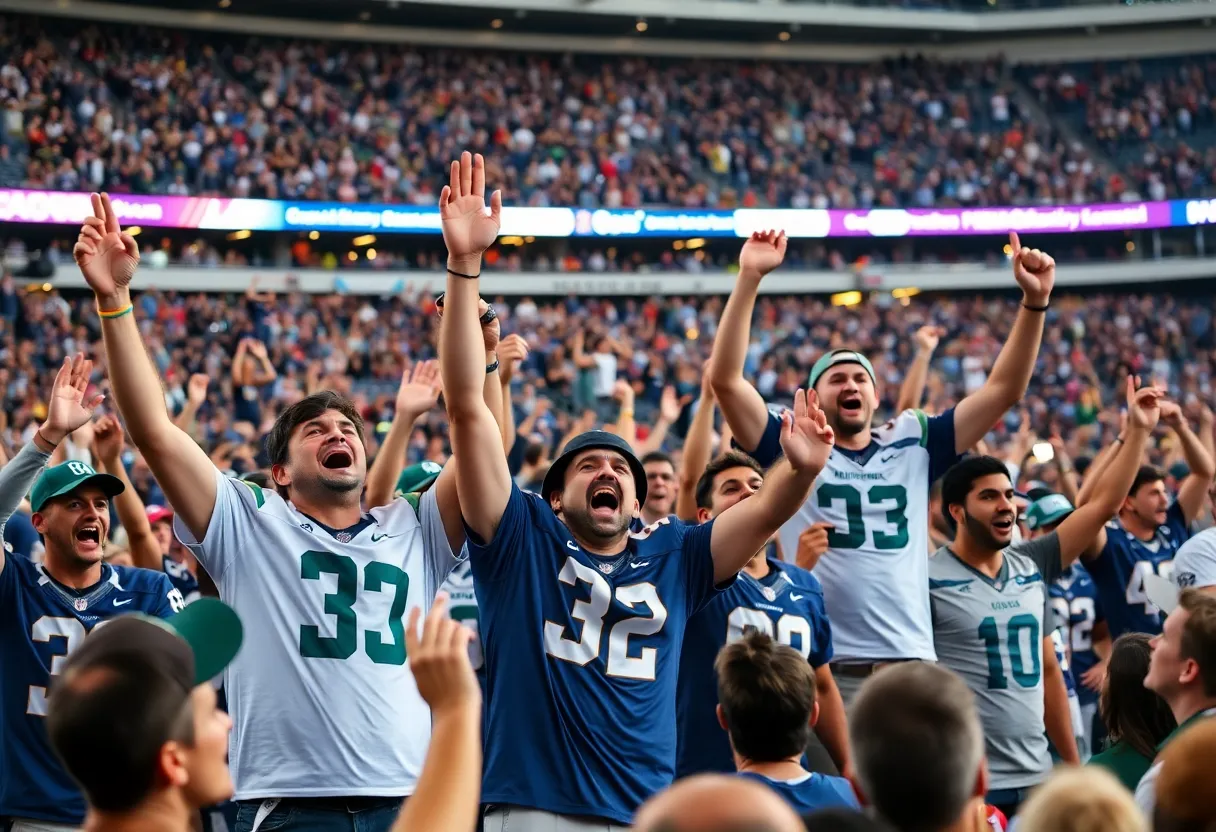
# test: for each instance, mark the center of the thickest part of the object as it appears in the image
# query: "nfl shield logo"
(81, 604)
(606, 568)
(769, 593)
(344, 537)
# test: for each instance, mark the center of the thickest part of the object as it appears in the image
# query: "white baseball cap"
(1194, 566)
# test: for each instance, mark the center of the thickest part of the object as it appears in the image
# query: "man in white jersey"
(329, 731)
(875, 490)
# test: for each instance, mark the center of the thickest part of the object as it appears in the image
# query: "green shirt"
(1125, 762)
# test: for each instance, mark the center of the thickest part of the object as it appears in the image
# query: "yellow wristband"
(115, 313)
(626, 412)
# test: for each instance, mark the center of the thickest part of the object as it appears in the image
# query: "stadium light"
(134, 230)
(783, 36)
(642, 26)
(846, 298)
(314, 235)
(371, 254)
(244, 234)
(363, 240)
(496, 23)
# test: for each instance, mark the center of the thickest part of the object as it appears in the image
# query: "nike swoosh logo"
(889, 457)
(639, 565)
(795, 597)
(118, 603)
(376, 538)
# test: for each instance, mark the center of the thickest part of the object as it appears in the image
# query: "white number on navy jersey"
(591, 613)
(176, 602)
(742, 619)
(1079, 637)
(1135, 593)
(46, 628)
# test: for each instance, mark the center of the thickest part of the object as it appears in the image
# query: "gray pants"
(519, 819)
(849, 684)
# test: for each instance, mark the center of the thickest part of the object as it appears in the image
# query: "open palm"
(763, 252)
(467, 229)
(419, 390)
(806, 438)
(106, 255)
(68, 408)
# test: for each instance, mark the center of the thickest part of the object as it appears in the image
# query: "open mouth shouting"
(604, 500)
(1003, 525)
(88, 537)
(337, 457)
(849, 406)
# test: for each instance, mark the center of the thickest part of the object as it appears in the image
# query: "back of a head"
(108, 724)
(1087, 799)
(918, 746)
(1185, 801)
(767, 693)
(838, 819)
(717, 803)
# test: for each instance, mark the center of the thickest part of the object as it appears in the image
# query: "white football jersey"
(463, 607)
(322, 700)
(875, 573)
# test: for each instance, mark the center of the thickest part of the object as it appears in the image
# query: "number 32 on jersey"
(591, 612)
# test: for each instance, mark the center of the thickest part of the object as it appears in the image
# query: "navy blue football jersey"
(1120, 568)
(182, 578)
(41, 622)
(1074, 600)
(787, 603)
(810, 793)
(582, 657)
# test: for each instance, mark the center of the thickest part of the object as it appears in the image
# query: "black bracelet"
(465, 276)
(1042, 308)
(490, 368)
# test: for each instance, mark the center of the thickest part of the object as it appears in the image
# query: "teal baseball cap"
(418, 477)
(66, 478)
(1047, 510)
(831, 359)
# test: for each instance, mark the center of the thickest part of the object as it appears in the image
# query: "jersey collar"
(81, 599)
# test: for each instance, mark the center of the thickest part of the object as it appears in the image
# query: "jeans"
(334, 814)
(1008, 801)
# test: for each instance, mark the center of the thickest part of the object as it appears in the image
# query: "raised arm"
(449, 787)
(511, 350)
(975, 415)
(670, 409)
(912, 391)
(239, 373)
(66, 410)
(741, 530)
(1065, 468)
(625, 427)
(417, 394)
(264, 372)
(1194, 489)
(108, 259)
(482, 475)
(742, 405)
(196, 394)
(107, 447)
(1084, 531)
(698, 449)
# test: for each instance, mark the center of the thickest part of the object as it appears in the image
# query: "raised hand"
(928, 337)
(467, 229)
(439, 659)
(511, 350)
(1171, 415)
(257, 348)
(106, 255)
(1143, 405)
(812, 543)
(1034, 271)
(806, 438)
(196, 388)
(762, 253)
(419, 390)
(67, 409)
(107, 439)
(670, 407)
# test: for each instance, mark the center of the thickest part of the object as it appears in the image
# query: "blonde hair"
(1081, 800)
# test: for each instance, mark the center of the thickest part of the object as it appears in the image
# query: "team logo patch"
(769, 593)
(80, 604)
(606, 568)
(306, 527)
(343, 537)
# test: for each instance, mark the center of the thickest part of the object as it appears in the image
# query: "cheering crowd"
(807, 617)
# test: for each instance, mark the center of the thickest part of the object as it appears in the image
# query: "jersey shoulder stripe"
(907, 428)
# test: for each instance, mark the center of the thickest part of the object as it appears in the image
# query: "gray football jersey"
(991, 633)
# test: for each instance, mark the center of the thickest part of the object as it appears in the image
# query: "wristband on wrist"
(40, 435)
(627, 411)
(462, 274)
(1030, 308)
(491, 368)
(110, 314)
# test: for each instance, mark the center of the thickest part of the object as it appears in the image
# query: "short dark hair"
(767, 692)
(533, 453)
(917, 745)
(1131, 712)
(840, 819)
(307, 409)
(658, 456)
(728, 460)
(1198, 640)
(958, 480)
(108, 746)
(1147, 475)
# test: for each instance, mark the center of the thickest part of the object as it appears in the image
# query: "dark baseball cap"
(555, 479)
(66, 478)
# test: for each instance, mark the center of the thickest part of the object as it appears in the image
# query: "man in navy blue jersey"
(47, 609)
(582, 621)
(770, 596)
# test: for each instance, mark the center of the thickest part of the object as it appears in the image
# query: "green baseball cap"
(1047, 510)
(63, 479)
(418, 477)
(831, 359)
